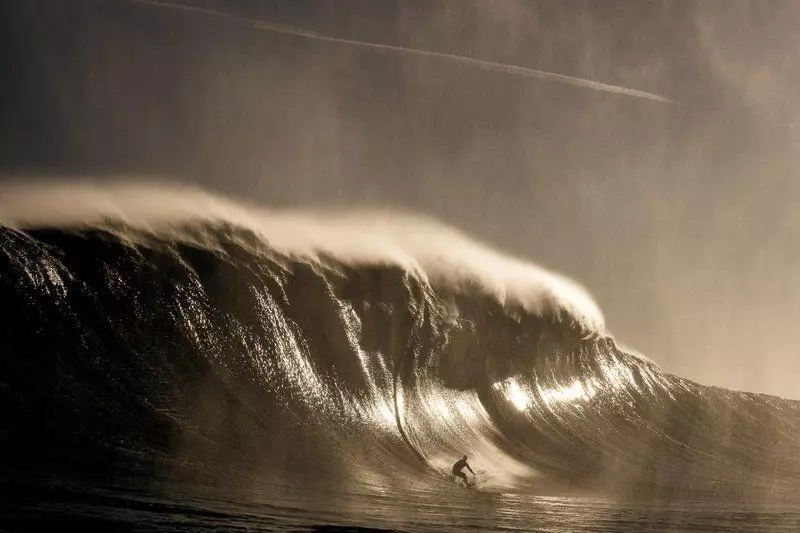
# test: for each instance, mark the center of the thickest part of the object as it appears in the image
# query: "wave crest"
(414, 243)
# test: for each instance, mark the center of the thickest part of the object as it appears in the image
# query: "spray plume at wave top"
(176, 333)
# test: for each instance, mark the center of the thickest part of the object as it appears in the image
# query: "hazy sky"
(681, 219)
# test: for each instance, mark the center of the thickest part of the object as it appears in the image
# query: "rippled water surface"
(285, 509)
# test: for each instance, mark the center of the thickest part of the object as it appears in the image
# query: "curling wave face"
(211, 341)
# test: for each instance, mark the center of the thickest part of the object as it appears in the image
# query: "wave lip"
(415, 243)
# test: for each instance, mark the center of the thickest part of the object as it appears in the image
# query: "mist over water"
(626, 194)
(353, 354)
(697, 195)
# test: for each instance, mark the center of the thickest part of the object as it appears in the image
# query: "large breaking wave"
(172, 334)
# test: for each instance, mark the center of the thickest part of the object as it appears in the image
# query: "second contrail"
(487, 65)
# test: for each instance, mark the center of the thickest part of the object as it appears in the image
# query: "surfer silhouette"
(459, 466)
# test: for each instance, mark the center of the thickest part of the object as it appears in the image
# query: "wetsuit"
(458, 467)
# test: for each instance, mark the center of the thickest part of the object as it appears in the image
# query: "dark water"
(425, 509)
(200, 379)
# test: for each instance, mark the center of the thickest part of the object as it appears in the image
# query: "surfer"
(459, 466)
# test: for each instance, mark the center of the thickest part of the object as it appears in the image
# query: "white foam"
(420, 244)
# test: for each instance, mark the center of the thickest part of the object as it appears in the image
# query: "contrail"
(487, 65)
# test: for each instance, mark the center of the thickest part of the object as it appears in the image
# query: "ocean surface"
(248, 371)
